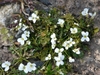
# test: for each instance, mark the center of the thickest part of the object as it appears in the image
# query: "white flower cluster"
(24, 37)
(68, 44)
(6, 65)
(60, 58)
(21, 26)
(61, 22)
(85, 12)
(53, 40)
(26, 34)
(33, 17)
(27, 68)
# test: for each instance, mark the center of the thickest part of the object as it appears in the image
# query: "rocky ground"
(90, 64)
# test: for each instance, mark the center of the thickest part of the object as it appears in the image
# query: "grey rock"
(45, 2)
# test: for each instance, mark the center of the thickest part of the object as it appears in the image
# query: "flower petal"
(83, 33)
(58, 64)
(24, 37)
(7, 68)
(3, 65)
(87, 33)
(30, 18)
(85, 12)
(20, 67)
(56, 50)
(62, 49)
(87, 39)
(82, 39)
(34, 15)
(34, 20)
(26, 70)
(61, 62)
(46, 58)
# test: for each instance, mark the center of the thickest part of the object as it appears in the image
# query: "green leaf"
(68, 17)
(49, 70)
(96, 30)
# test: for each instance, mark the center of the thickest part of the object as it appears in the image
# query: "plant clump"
(53, 39)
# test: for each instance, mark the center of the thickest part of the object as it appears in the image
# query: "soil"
(90, 64)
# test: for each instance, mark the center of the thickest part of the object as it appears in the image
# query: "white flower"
(53, 40)
(53, 36)
(49, 14)
(33, 17)
(48, 57)
(71, 42)
(22, 67)
(59, 60)
(85, 12)
(61, 73)
(59, 50)
(71, 59)
(76, 24)
(20, 20)
(31, 67)
(53, 46)
(28, 42)
(55, 26)
(73, 30)
(22, 39)
(92, 15)
(27, 33)
(85, 36)
(19, 26)
(61, 22)
(36, 12)
(77, 51)
(15, 21)
(6, 65)
(24, 36)
(24, 27)
(68, 44)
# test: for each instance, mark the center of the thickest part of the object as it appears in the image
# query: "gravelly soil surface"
(90, 64)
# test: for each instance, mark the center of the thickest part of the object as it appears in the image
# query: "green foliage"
(5, 34)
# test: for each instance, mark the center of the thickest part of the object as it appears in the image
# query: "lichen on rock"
(6, 12)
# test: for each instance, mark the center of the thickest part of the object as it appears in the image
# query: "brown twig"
(22, 7)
